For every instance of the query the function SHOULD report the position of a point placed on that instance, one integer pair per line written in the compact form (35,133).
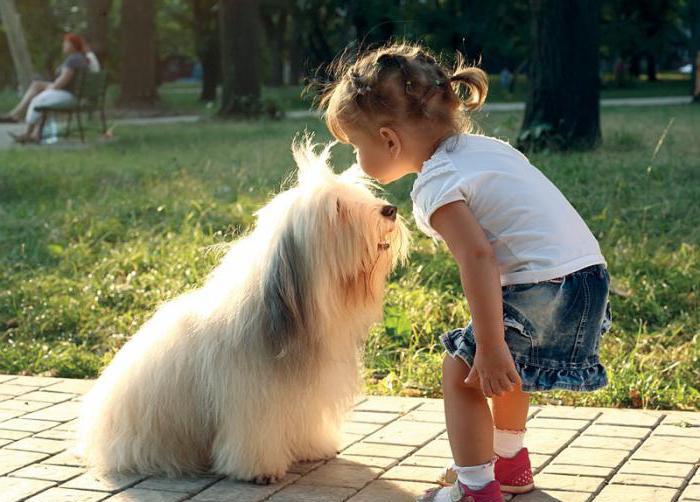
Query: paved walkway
(393,449)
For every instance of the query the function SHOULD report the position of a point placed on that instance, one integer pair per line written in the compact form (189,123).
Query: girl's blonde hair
(399,83)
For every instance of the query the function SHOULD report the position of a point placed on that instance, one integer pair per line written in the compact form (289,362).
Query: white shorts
(49,97)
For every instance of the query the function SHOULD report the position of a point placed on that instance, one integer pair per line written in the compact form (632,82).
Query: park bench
(90,97)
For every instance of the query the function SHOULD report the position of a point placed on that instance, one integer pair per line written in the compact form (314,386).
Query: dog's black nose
(389,212)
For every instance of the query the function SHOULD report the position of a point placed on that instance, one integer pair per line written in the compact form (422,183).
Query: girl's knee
(454,372)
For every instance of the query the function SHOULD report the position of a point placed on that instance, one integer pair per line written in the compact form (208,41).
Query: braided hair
(399,82)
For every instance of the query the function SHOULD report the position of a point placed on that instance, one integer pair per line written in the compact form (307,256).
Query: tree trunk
(275,24)
(239,27)
(694,15)
(206,40)
(138,58)
(563,108)
(17,42)
(651,67)
(297,49)
(98,27)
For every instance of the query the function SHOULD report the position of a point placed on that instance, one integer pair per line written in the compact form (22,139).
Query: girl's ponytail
(476,82)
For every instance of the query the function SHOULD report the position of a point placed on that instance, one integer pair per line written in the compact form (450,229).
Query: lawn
(92,240)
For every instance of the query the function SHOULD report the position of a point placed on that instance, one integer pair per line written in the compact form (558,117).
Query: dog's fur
(256,369)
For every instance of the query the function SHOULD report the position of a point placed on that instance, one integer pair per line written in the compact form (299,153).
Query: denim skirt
(553,329)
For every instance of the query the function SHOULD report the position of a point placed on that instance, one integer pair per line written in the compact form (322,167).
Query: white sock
(507,444)
(475,477)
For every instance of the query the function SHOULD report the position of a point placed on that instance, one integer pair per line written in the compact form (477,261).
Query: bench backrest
(91,88)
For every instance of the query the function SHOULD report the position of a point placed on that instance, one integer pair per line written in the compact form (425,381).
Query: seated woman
(59,92)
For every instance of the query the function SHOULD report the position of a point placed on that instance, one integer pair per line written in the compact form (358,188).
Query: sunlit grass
(91,241)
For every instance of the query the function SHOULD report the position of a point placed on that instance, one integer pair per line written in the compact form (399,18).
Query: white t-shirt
(535,232)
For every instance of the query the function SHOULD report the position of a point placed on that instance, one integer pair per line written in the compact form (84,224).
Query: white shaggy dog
(256,369)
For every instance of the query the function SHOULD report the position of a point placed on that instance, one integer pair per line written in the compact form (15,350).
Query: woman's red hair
(76,41)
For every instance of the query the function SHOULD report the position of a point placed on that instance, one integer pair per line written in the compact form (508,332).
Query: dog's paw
(266,479)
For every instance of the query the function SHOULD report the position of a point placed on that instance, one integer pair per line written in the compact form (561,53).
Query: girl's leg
(510,410)
(467,414)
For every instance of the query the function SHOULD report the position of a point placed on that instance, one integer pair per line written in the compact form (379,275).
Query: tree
(563,108)
(138,58)
(239,27)
(206,41)
(98,27)
(17,42)
(694,16)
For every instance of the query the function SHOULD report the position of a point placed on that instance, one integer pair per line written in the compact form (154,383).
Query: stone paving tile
(40,445)
(347,439)
(670,448)
(228,490)
(414,473)
(12,434)
(583,470)
(7,378)
(620,493)
(67,495)
(548,441)
(139,495)
(310,493)
(72,386)
(372,417)
(595,457)
(545,495)
(48,472)
(16,489)
(386,490)
(378,450)
(345,475)
(588,484)
(24,425)
(426,416)
(11,460)
(184,485)
(360,428)
(635,418)
(19,404)
(8,414)
(63,412)
(659,468)
(557,423)
(647,480)
(47,397)
(616,431)
(14,390)
(381,462)
(64,458)
(55,434)
(103,482)
(569,412)
(436,448)
(609,443)
(35,381)
(392,450)
(692,492)
(406,432)
(390,404)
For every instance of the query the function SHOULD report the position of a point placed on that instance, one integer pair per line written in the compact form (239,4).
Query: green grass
(91,241)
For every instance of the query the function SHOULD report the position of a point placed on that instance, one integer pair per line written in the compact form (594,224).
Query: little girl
(532,272)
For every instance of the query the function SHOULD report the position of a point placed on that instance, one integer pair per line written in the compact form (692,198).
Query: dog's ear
(285,295)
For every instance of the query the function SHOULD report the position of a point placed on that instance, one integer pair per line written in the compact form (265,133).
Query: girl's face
(379,154)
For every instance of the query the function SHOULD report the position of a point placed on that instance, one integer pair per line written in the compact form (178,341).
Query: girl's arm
(493,364)
(63,79)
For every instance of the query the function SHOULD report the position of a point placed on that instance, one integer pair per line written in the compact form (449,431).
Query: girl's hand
(494,369)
